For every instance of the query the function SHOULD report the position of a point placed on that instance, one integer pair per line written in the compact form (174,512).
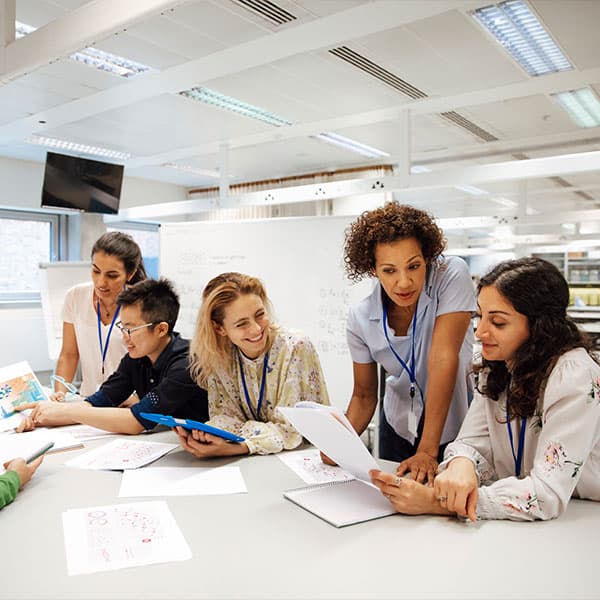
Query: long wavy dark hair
(537,290)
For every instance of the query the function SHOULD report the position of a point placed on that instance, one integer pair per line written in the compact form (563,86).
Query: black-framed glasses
(129,330)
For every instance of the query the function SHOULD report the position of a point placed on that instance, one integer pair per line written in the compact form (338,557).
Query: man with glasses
(155,367)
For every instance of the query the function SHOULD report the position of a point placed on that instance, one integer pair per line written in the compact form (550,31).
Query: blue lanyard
(104,350)
(256,414)
(518,458)
(409,370)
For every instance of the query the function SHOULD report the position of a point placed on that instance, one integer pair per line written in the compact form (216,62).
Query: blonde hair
(209,351)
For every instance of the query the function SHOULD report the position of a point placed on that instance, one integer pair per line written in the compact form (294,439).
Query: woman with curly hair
(416,325)
(531,438)
(250,368)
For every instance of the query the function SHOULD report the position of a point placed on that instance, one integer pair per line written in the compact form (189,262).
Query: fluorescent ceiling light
(219,100)
(472,190)
(21,30)
(352,145)
(575,245)
(105,61)
(214,98)
(194,170)
(518,29)
(109,62)
(582,105)
(504,202)
(479,251)
(74,147)
(469,189)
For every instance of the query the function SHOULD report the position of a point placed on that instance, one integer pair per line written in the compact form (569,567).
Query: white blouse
(561,457)
(78,309)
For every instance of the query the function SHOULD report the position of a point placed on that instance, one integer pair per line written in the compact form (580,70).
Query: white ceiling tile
(574,25)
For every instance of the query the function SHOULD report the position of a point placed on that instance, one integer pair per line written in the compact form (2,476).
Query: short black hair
(157,299)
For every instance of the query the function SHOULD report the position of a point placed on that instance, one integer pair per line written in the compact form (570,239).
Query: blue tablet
(190,424)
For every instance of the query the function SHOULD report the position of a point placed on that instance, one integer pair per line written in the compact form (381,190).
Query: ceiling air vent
(463,122)
(267,10)
(559,181)
(565,184)
(373,69)
(368,66)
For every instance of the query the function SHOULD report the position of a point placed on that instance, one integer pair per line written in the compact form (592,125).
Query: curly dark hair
(384,225)
(537,290)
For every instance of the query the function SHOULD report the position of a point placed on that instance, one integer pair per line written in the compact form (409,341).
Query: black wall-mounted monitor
(81,184)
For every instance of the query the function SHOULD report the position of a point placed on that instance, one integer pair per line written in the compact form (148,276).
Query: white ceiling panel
(216,22)
(146,52)
(38,13)
(443,55)
(159,124)
(175,36)
(322,9)
(521,117)
(273,160)
(574,25)
(437,55)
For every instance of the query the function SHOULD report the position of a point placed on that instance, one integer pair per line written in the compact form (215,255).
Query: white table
(259,545)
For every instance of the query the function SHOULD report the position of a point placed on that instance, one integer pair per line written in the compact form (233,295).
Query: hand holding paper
(329,430)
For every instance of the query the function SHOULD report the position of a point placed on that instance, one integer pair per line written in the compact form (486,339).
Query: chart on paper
(121,454)
(307,464)
(104,538)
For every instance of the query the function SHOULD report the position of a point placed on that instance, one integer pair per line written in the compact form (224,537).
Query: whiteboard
(56,278)
(300,261)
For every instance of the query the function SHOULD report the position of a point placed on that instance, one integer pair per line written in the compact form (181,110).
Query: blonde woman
(250,367)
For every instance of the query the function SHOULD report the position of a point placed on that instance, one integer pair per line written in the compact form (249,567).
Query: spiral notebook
(342,503)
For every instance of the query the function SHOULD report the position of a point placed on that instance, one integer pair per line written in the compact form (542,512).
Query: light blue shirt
(448,288)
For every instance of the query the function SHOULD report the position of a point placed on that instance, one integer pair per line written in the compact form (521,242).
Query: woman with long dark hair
(531,438)
(90,312)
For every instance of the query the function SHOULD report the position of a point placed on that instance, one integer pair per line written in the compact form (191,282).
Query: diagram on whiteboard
(300,261)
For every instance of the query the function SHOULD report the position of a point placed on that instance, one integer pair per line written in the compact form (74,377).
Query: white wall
(23,333)
(24,338)
(22,187)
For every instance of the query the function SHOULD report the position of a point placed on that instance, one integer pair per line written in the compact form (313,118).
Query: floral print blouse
(293,374)
(561,457)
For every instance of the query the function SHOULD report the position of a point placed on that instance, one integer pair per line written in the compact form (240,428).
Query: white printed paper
(325,429)
(178,481)
(87,432)
(121,454)
(22,445)
(307,464)
(106,538)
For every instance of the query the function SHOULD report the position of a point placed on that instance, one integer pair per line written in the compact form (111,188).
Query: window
(26,239)
(147,237)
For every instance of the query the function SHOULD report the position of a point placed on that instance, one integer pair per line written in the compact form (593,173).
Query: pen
(39,452)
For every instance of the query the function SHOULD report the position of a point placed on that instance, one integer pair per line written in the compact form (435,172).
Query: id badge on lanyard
(413,422)
(104,348)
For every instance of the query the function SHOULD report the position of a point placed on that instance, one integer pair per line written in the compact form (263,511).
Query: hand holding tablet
(190,424)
